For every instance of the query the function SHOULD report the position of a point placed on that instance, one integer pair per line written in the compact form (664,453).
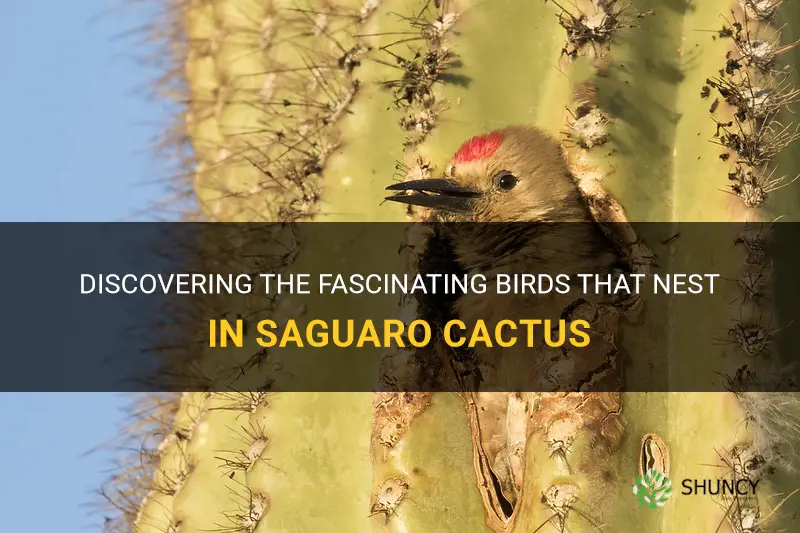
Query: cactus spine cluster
(305,110)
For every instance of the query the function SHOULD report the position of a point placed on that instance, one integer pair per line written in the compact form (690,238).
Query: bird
(517,173)
(508,203)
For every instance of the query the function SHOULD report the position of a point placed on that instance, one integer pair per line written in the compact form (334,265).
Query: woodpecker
(516,174)
(519,176)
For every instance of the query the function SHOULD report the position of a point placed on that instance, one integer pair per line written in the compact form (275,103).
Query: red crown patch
(478,148)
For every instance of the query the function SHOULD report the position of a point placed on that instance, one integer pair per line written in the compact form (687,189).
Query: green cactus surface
(668,111)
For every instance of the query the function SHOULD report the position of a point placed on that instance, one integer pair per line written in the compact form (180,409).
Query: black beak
(435,194)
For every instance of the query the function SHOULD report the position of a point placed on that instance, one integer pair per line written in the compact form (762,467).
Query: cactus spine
(307,110)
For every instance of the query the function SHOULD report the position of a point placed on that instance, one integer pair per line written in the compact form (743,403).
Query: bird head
(516,174)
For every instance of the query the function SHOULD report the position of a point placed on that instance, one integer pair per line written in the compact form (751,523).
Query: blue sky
(74,141)
(48,477)
(76,123)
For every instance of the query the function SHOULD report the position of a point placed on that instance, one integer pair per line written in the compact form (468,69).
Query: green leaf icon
(653,489)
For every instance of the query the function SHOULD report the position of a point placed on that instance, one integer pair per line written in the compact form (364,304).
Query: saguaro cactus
(306,110)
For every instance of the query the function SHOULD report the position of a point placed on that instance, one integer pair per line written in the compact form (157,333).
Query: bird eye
(505,181)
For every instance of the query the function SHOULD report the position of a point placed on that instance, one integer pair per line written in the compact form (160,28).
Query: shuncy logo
(653,489)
